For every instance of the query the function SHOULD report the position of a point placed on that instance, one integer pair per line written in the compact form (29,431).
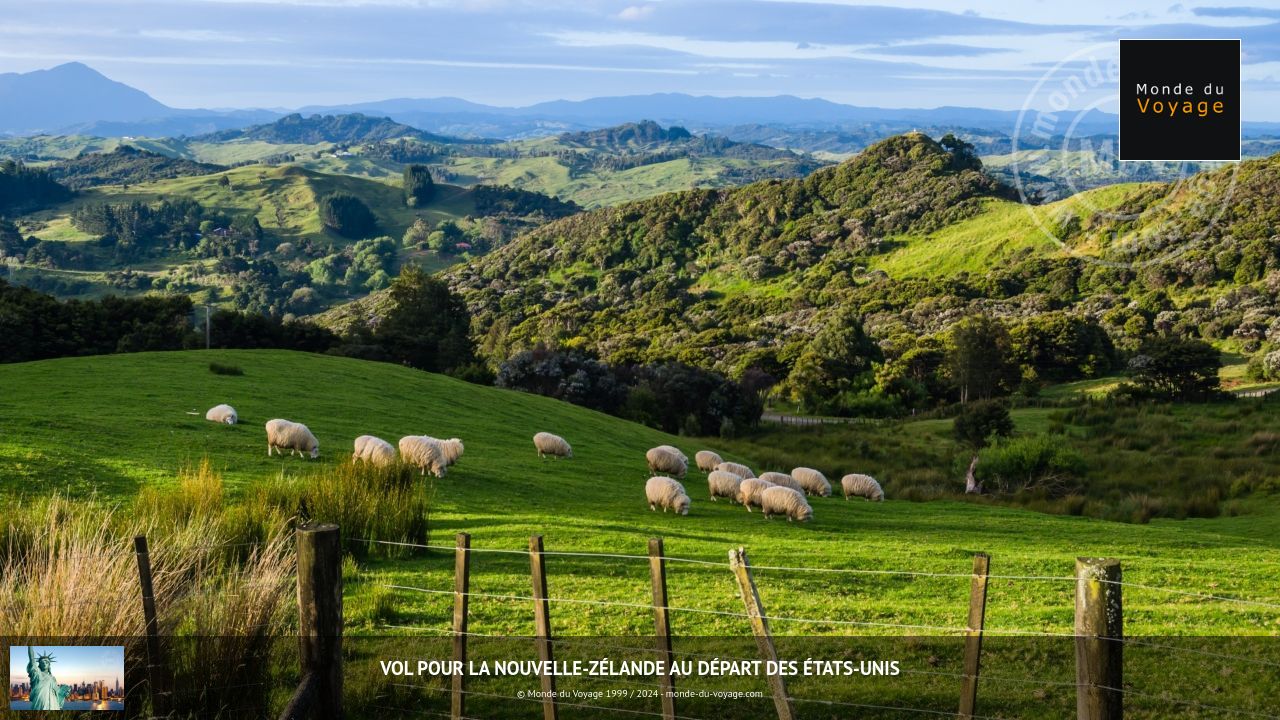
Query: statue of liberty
(46,693)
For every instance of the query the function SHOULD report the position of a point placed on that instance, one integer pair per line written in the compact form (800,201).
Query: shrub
(220,369)
(1033,463)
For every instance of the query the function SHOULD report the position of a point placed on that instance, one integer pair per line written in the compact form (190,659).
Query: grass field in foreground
(105,426)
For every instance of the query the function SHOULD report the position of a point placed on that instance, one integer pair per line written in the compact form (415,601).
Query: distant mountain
(628,135)
(188,122)
(348,128)
(67,95)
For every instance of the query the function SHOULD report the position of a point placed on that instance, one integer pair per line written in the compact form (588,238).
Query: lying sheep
(552,445)
(813,482)
(663,492)
(295,437)
(666,459)
(785,501)
(738,469)
(452,450)
(749,492)
(222,414)
(863,486)
(373,450)
(783,479)
(424,453)
(723,484)
(707,460)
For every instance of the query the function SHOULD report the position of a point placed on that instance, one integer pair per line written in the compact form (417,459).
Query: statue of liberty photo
(46,693)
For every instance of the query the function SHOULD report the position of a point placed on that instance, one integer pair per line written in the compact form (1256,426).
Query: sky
(72,664)
(903,53)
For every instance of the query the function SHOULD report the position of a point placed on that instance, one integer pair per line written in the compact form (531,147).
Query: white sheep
(813,482)
(749,492)
(666,493)
(863,486)
(707,460)
(677,451)
(222,414)
(785,501)
(295,437)
(666,459)
(424,453)
(738,469)
(373,450)
(452,450)
(783,479)
(553,445)
(723,484)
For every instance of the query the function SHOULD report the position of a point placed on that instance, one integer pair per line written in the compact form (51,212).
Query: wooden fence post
(1099,640)
(155,659)
(973,635)
(320,616)
(662,626)
(542,627)
(760,627)
(461,588)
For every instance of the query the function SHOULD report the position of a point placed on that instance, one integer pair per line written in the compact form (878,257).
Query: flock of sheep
(775,493)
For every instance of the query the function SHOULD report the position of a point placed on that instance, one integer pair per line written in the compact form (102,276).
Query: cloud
(937,50)
(635,12)
(1238,11)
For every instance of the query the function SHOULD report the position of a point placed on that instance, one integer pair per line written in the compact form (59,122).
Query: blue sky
(909,53)
(72,664)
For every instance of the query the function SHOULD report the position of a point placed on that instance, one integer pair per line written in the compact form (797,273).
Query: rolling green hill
(140,419)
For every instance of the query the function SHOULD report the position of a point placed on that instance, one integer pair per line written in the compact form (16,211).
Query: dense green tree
(347,215)
(831,365)
(418,186)
(1062,347)
(980,360)
(1175,368)
(974,427)
(427,326)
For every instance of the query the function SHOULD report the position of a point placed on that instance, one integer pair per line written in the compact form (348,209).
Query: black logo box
(1186,65)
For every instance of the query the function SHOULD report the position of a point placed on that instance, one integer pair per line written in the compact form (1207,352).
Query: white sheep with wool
(707,460)
(668,494)
(553,445)
(722,484)
(813,482)
(783,479)
(295,437)
(749,491)
(666,459)
(863,486)
(452,450)
(424,453)
(738,469)
(222,414)
(785,501)
(373,450)
(677,451)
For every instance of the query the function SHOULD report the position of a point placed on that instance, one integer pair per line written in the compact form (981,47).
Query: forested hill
(618,271)
(349,128)
(127,165)
(902,242)
(658,143)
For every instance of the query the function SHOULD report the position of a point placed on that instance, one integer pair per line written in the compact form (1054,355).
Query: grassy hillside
(106,426)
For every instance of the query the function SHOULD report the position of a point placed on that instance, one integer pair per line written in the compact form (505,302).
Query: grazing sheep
(295,437)
(783,479)
(552,445)
(863,486)
(452,450)
(707,460)
(677,451)
(424,453)
(222,414)
(666,459)
(749,492)
(723,484)
(785,501)
(373,450)
(738,469)
(668,494)
(813,482)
